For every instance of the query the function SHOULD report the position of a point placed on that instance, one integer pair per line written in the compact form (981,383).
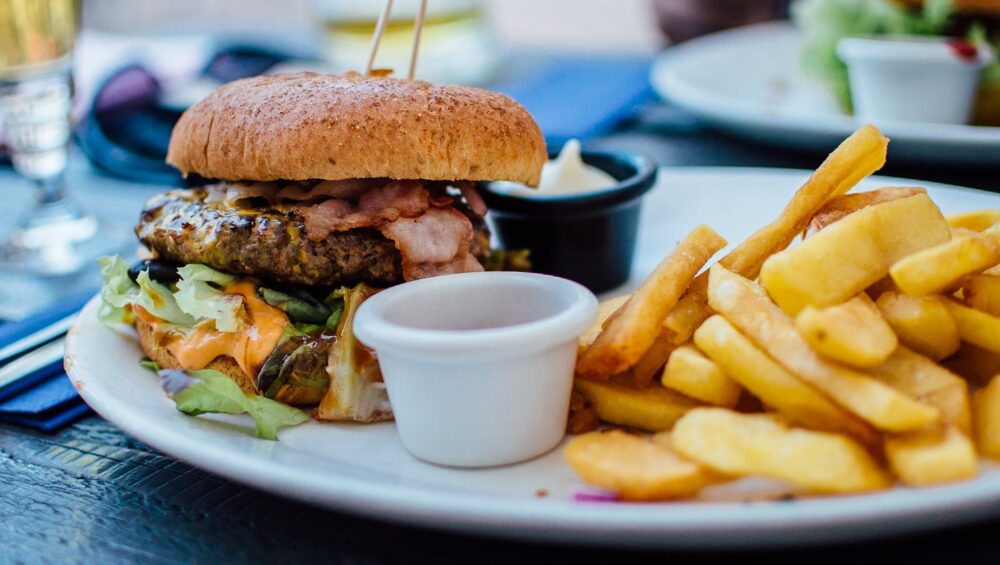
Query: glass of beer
(456,45)
(54,236)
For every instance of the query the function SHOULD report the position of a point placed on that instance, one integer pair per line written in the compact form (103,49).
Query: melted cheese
(250,346)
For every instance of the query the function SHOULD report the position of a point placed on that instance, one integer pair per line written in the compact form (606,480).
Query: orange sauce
(249,346)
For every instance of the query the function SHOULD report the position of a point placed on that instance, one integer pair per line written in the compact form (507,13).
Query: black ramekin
(590,237)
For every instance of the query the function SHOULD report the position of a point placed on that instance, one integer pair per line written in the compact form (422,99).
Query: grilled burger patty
(270,244)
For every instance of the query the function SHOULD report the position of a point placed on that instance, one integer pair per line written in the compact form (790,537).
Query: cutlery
(35,340)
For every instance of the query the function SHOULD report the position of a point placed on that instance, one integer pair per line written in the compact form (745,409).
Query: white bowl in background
(913,79)
(478,366)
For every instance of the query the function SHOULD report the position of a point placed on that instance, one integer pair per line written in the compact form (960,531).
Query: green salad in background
(825,22)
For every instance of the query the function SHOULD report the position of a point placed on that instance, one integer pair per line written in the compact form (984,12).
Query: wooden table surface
(91,494)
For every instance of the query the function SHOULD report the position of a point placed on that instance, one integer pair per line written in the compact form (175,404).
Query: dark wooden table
(92,494)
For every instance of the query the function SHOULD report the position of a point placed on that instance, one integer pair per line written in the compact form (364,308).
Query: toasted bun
(309,126)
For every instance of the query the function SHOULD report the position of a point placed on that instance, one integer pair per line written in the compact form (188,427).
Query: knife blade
(31,363)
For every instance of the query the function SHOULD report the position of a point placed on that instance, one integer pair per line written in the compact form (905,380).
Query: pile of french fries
(866,355)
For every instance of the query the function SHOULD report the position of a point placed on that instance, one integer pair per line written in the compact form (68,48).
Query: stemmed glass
(54,237)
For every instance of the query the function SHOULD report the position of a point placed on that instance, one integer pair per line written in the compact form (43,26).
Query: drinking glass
(456,45)
(54,236)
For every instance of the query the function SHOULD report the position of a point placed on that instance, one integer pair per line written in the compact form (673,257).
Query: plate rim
(665,76)
(691,524)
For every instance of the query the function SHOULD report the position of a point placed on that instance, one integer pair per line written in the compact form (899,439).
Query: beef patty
(271,244)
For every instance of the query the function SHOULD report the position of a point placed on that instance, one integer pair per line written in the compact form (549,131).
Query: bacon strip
(432,237)
(378,206)
(434,243)
(473,198)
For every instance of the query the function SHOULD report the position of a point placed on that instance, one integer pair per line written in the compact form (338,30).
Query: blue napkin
(28,383)
(582,97)
(51,394)
(45,399)
(51,420)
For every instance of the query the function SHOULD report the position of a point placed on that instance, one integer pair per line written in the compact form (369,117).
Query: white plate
(364,469)
(748,81)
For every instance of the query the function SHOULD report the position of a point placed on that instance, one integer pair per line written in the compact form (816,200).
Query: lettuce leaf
(157,299)
(356,391)
(197,297)
(209,391)
(825,22)
(991,74)
(119,292)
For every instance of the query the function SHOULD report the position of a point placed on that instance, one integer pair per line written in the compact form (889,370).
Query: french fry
(604,311)
(930,457)
(637,323)
(987,409)
(922,323)
(982,292)
(978,220)
(839,207)
(941,268)
(961,232)
(692,374)
(975,327)
(746,306)
(858,156)
(922,379)
(855,158)
(845,258)
(690,312)
(774,386)
(652,361)
(741,445)
(635,467)
(653,408)
(853,333)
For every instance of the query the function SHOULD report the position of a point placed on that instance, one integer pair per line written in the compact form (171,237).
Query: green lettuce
(825,22)
(991,74)
(198,296)
(208,391)
(119,292)
(157,299)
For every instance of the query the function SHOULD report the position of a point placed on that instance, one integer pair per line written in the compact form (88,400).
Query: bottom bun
(151,339)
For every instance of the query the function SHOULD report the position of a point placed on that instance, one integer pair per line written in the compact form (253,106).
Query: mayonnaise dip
(566,174)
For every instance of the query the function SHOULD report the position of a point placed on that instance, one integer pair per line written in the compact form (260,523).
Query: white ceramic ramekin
(479,366)
(913,79)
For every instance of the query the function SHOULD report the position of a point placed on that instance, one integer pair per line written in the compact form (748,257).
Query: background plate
(748,82)
(364,469)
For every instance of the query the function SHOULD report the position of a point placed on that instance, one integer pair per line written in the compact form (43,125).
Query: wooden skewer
(417,28)
(383,20)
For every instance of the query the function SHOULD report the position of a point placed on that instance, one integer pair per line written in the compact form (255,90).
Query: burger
(825,22)
(325,189)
